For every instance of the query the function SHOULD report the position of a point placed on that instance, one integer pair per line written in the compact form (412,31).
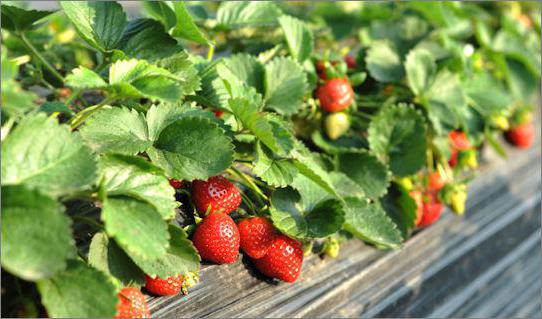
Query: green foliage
(291,216)
(181,257)
(236,14)
(136,226)
(100,110)
(367,171)
(285,85)
(18,19)
(34,250)
(43,154)
(100,24)
(105,255)
(79,291)
(133,176)
(397,134)
(370,223)
(298,36)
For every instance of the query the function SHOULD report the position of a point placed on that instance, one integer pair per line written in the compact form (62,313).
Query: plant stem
(210,53)
(80,117)
(7,127)
(251,185)
(47,65)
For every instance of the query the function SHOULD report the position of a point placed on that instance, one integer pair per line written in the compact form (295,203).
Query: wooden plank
(446,269)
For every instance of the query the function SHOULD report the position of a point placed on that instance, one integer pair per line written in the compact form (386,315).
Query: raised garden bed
(139,153)
(461,267)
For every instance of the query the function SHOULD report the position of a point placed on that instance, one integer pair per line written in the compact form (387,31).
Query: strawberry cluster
(218,238)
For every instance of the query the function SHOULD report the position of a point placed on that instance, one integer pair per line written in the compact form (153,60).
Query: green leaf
(521,82)
(370,223)
(116,129)
(307,165)
(486,94)
(17,19)
(235,14)
(36,235)
(384,62)
(271,134)
(183,70)
(136,226)
(367,171)
(137,78)
(275,171)
(43,154)
(83,78)
(420,70)
(79,292)
(285,86)
(445,102)
(106,256)
(397,134)
(246,69)
(135,177)
(180,258)
(291,217)
(142,37)
(101,23)
(185,26)
(344,144)
(345,186)
(161,11)
(162,115)
(54,107)
(192,148)
(15,100)
(298,36)
(401,208)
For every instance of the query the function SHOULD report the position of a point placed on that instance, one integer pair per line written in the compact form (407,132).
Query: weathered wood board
(486,264)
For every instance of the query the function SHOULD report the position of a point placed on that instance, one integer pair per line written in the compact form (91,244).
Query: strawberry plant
(133,148)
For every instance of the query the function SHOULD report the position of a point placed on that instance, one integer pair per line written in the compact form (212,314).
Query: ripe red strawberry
(521,136)
(218,113)
(175,183)
(164,287)
(257,234)
(335,95)
(432,208)
(350,62)
(453,158)
(218,193)
(459,141)
(283,259)
(217,239)
(417,197)
(435,182)
(132,304)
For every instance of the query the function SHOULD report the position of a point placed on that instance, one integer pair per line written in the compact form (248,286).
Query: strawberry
(257,234)
(350,62)
(521,136)
(217,239)
(432,208)
(175,183)
(336,125)
(453,159)
(217,194)
(335,95)
(132,304)
(164,287)
(459,141)
(417,197)
(283,259)
(218,113)
(435,182)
